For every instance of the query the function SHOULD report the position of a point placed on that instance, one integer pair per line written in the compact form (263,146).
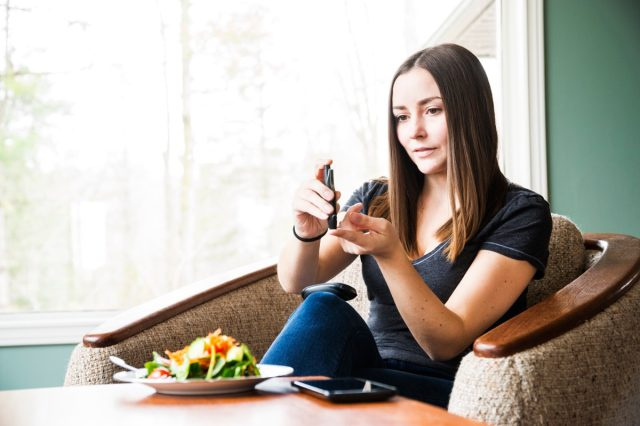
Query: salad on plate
(214,356)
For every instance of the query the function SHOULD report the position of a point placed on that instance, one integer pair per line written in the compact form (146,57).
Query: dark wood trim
(613,274)
(144,316)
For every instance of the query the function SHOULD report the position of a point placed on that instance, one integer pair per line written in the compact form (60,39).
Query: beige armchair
(572,357)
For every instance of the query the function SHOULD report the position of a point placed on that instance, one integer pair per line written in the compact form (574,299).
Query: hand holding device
(311,208)
(347,389)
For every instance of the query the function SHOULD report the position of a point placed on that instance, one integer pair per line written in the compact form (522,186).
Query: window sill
(49,328)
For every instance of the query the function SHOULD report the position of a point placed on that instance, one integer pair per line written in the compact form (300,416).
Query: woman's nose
(418,129)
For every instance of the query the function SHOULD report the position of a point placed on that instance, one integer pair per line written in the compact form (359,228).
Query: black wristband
(307,240)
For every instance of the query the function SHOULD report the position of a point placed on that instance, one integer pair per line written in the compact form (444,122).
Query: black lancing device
(343,291)
(328,182)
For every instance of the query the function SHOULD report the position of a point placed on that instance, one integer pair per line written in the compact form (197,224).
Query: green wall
(33,366)
(592,59)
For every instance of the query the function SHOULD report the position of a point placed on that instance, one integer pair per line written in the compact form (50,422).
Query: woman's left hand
(362,234)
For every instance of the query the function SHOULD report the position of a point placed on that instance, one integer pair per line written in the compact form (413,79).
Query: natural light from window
(146,145)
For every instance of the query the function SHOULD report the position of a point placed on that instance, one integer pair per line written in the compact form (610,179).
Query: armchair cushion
(566,260)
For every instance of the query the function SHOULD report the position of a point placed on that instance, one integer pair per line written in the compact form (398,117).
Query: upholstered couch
(573,357)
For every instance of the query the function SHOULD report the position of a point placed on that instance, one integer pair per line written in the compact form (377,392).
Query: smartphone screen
(348,389)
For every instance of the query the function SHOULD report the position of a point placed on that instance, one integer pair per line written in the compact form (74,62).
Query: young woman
(448,245)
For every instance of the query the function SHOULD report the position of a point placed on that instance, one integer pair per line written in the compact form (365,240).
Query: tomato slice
(159,373)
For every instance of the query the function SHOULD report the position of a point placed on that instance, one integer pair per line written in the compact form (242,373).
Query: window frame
(49,328)
(521,37)
(523,105)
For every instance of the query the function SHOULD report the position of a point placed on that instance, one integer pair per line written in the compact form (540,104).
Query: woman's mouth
(423,152)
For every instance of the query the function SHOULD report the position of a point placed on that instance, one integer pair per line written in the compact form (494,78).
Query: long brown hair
(476,185)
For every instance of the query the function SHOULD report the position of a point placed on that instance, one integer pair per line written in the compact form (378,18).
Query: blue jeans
(326,336)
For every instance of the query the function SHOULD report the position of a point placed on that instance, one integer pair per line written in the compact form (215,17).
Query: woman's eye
(433,110)
(402,117)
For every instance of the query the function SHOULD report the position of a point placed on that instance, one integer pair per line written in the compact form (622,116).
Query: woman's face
(421,124)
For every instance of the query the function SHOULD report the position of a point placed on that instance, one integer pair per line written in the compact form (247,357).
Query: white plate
(171,386)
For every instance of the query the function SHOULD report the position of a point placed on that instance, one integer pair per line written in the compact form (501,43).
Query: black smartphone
(328,182)
(347,389)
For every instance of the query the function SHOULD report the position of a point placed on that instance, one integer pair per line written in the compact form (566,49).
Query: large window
(145,145)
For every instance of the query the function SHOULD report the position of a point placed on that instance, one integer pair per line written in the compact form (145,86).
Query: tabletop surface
(274,402)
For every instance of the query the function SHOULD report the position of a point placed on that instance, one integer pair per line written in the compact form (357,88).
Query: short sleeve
(522,231)
(365,194)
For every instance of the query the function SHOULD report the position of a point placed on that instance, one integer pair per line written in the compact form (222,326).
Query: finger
(364,221)
(357,207)
(319,172)
(313,198)
(344,220)
(304,206)
(340,217)
(346,245)
(354,237)
(321,189)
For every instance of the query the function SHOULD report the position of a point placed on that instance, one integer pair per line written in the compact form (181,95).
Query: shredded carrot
(214,342)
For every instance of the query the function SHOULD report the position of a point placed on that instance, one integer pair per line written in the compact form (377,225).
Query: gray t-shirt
(520,229)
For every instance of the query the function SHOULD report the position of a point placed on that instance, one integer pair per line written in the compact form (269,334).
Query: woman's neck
(434,190)
(434,210)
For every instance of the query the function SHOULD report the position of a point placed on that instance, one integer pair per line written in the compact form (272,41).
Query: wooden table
(275,403)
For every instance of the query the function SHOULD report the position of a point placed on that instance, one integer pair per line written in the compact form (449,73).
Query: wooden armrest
(613,274)
(146,315)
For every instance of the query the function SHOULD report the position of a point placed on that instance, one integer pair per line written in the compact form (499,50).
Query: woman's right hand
(311,205)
